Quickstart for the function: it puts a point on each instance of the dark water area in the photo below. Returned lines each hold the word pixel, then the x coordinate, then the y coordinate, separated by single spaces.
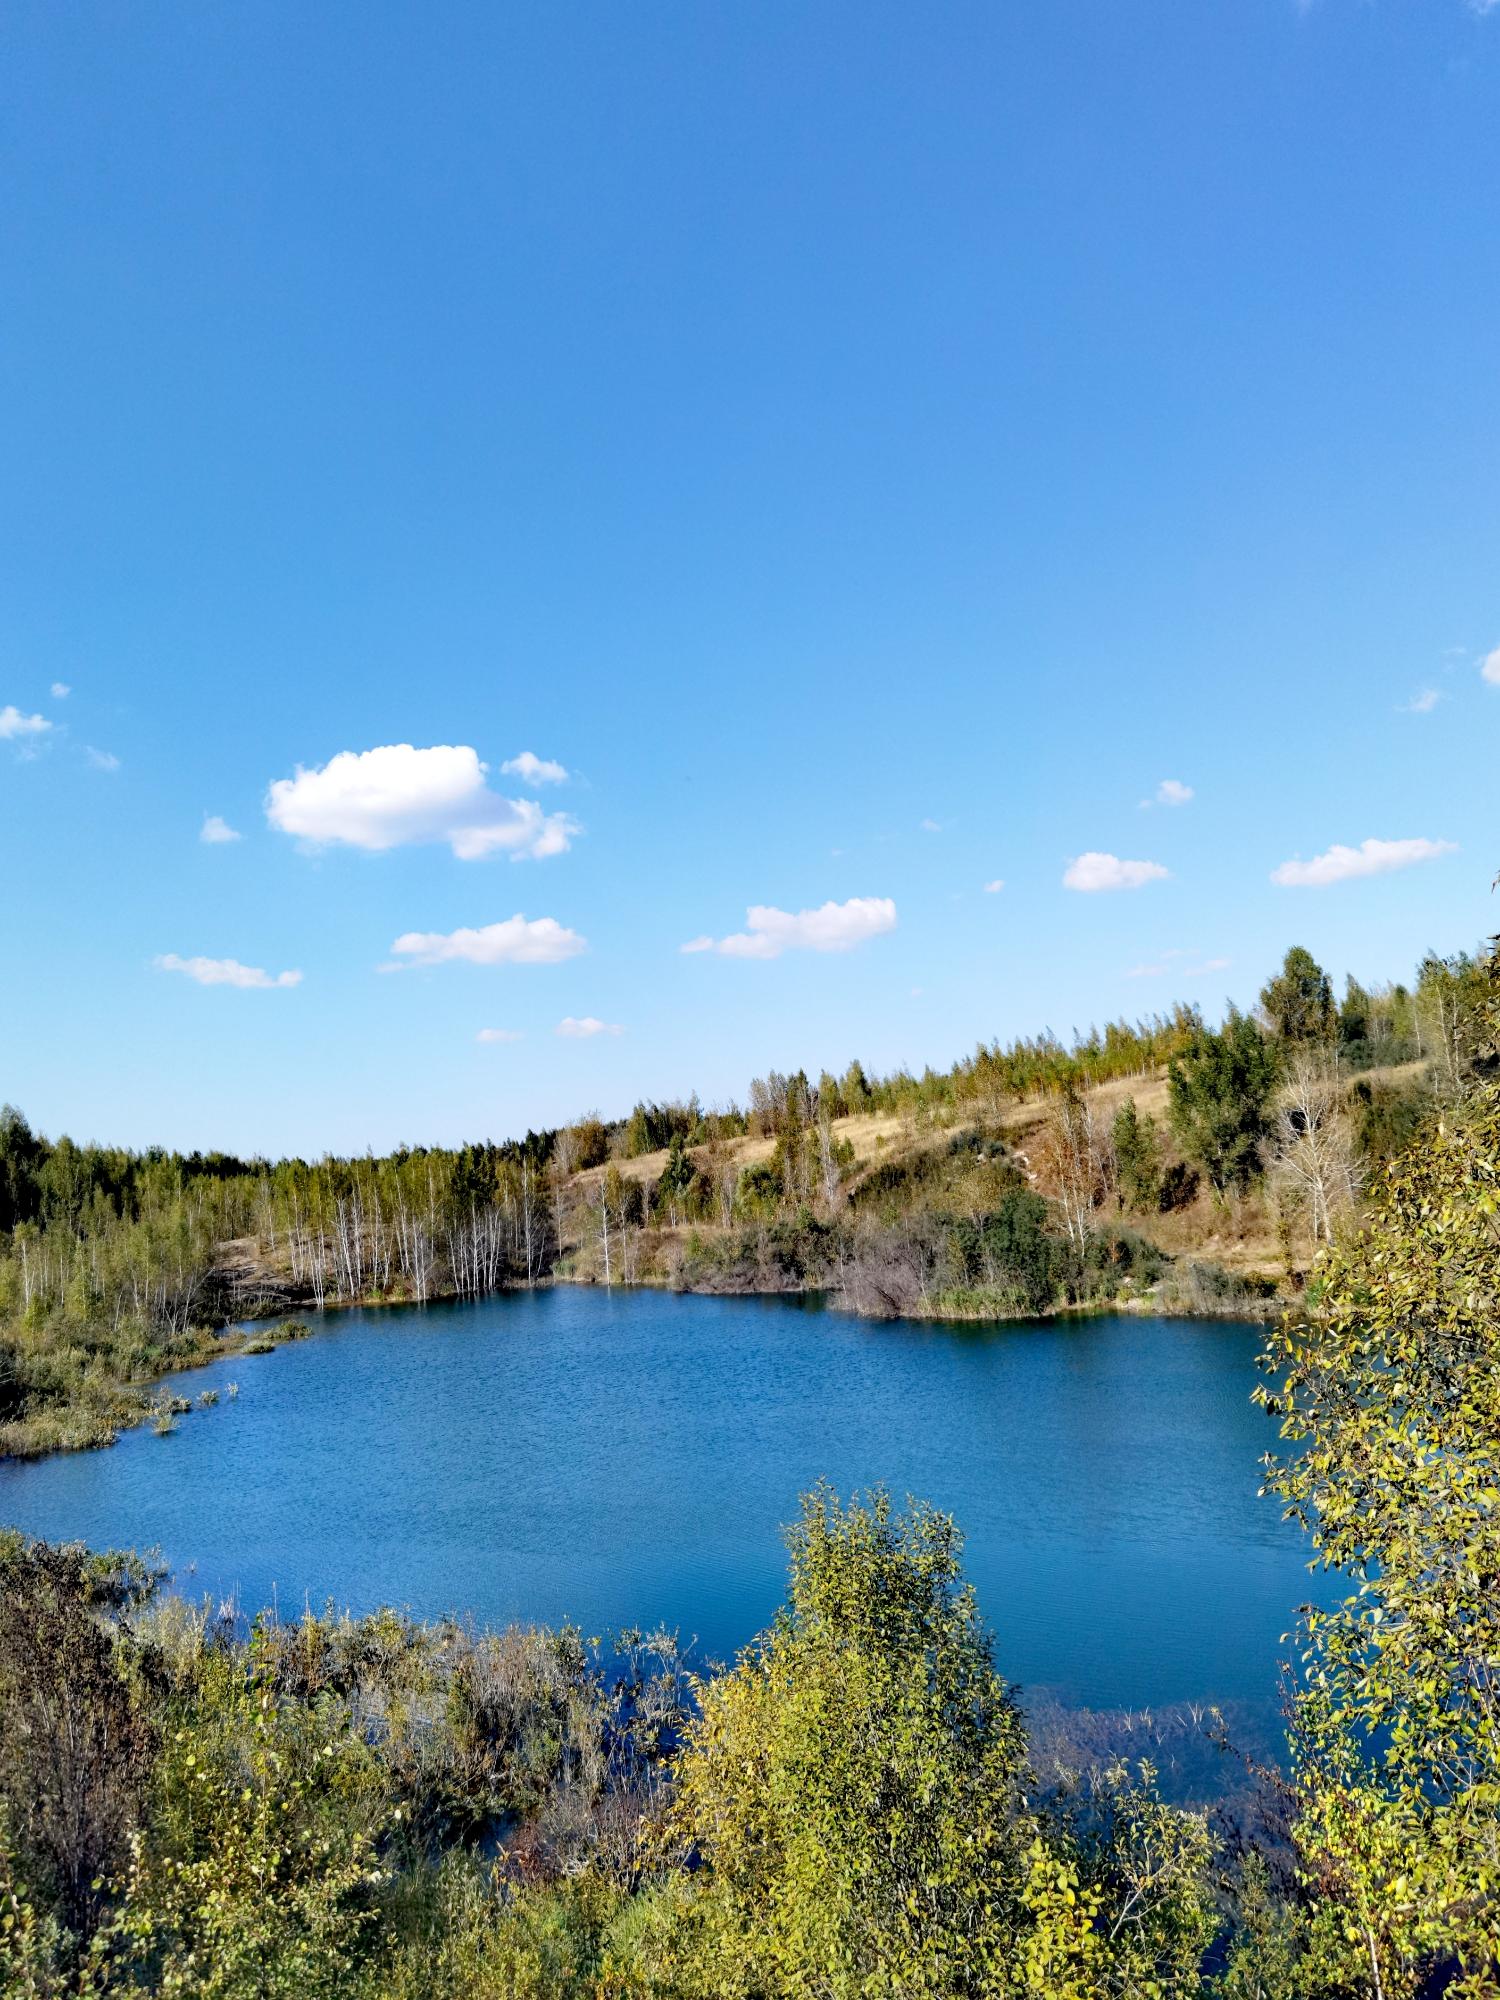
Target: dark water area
pixel 629 1458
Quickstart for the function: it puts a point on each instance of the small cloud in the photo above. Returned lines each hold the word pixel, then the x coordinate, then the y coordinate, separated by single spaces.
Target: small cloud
pixel 215 831
pixel 697 944
pixel 499 1035
pixel 399 796
pixel 534 770
pixel 1090 873
pixel 1490 670
pixel 60 690
pixel 1172 792
pixel 583 1030
pixel 833 927
pixel 102 760
pixel 14 724
pixel 517 941
pixel 1171 961
pixel 1423 702
pixel 932 826
pixel 994 888
pixel 1346 864
pixel 225 972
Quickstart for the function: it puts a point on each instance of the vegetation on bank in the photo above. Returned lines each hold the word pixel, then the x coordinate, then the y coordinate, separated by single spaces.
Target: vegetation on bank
pixel 384 1810
pixel 379 1809
pixel 1161 1161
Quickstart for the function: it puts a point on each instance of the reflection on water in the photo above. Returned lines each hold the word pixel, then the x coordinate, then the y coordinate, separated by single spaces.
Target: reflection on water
pixel 629 1458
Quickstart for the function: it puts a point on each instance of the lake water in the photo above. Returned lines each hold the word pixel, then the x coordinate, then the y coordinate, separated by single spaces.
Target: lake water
pixel 630 1457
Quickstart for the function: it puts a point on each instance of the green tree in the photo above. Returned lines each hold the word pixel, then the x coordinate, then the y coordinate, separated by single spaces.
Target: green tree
pixel 830 1098
pixel 1138 1164
pixel 21 1153
pixel 675 1179
pixel 855 1089
pixel 857 1793
pixel 1354 1015
pixel 1389 1385
pixel 1219 1090
pixel 256 1878
pixel 1298 1002
pixel 853 1784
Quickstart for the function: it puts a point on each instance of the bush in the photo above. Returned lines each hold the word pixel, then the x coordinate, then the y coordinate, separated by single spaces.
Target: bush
pixel 75 1740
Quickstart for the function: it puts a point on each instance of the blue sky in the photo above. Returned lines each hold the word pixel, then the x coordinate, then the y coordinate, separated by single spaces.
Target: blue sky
pixel 869 449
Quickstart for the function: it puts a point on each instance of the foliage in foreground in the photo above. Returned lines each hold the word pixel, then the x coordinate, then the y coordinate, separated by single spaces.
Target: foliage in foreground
pixel 382 1809
pixel 1391 1387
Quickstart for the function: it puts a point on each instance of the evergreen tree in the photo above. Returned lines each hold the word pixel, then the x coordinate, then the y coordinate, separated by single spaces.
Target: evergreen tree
pixel 1354 1015
pixel 830 1099
pixel 1298 1002
pixel 1220 1093
pixel 1137 1147
pixel 855 1089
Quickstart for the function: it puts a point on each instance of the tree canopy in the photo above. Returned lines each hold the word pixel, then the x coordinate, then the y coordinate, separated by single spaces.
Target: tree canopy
pixel 1219 1090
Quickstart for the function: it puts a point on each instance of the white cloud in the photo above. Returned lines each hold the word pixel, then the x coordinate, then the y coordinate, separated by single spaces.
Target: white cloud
pixel 833 927
pixel 1490 670
pixel 215 831
pixel 932 826
pixel 224 972
pixel 1092 872
pixel 1345 864
pixel 102 760
pixel 396 796
pixel 518 941
pixel 581 1031
pixel 534 770
pixel 1172 792
pixel 60 690
pixel 499 1035
pixel 13 723
pixel 1169 961
pixel 994 888
pixel 1423 702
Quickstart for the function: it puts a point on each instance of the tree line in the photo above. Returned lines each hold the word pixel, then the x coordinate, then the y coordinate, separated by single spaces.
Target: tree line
pixel 115 1265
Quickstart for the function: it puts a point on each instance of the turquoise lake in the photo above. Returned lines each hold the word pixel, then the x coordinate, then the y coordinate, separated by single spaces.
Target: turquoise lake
pixel 630 1457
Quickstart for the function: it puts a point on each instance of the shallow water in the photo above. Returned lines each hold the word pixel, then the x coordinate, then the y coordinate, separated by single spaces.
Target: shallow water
pixel 629 1458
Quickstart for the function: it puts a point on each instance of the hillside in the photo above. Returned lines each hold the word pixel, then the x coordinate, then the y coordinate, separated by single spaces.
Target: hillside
pixel 1158 1163
pixel 925 1162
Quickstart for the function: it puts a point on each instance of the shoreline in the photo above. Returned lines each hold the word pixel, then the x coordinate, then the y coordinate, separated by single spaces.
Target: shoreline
pixel 240 1337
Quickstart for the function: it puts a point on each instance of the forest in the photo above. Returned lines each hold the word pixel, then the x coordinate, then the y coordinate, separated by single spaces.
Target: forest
pixel 383 1810
pixel 1161 1162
